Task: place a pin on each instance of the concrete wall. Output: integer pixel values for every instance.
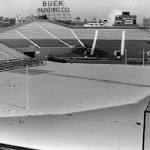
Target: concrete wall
(42, 53)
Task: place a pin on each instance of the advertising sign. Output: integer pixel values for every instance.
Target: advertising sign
(57, 6)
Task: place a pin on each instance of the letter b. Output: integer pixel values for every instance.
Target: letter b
(44, 3)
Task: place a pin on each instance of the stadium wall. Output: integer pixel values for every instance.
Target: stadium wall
(42, 53)
(105, 48)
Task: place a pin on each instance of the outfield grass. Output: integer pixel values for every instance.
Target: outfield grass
(74, 106)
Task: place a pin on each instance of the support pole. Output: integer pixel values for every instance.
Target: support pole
(143, 57)
(94, 43)
(27, 88)
(23, 36)
(74, 34)
(123, 43)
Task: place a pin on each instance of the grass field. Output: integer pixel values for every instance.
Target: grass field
(73, 106)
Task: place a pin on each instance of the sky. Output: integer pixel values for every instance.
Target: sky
(83, 8)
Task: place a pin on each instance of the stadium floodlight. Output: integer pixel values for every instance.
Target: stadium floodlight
(94, 43)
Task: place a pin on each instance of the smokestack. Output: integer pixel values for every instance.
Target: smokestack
(111, 16)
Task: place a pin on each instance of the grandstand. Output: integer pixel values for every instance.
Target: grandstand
(64, 98)
(44, 34)
(109, 40)
(49, 35)
(10, 53)
(11, 59)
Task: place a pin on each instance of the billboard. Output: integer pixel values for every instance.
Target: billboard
(128, 21)
(55, 9)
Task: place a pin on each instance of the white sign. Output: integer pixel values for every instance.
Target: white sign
(53, 6)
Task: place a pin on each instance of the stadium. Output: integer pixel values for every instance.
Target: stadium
(50, 38)
(66, 106)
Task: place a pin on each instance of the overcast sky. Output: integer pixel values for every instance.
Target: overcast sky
(82, 8)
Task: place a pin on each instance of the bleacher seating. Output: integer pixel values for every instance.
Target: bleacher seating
(113, 34)
(109, 40)
(11, 59)
(49, 43)
(134, 48)
(14, 43)
(13, 64)
(35, 33)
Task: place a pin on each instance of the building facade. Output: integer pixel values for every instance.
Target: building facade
(5, 21)
(146, 22)
(125, 19)
(19, 19)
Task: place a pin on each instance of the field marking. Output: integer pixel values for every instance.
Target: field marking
(74, 34)
(54, 36)
(23, 36)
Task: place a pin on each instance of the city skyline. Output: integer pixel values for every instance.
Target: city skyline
(85, 8)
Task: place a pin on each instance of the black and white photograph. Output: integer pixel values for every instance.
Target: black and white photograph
(74, 75)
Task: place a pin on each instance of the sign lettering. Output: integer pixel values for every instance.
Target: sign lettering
(52, 3)
(56, 9)
(53, 6)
